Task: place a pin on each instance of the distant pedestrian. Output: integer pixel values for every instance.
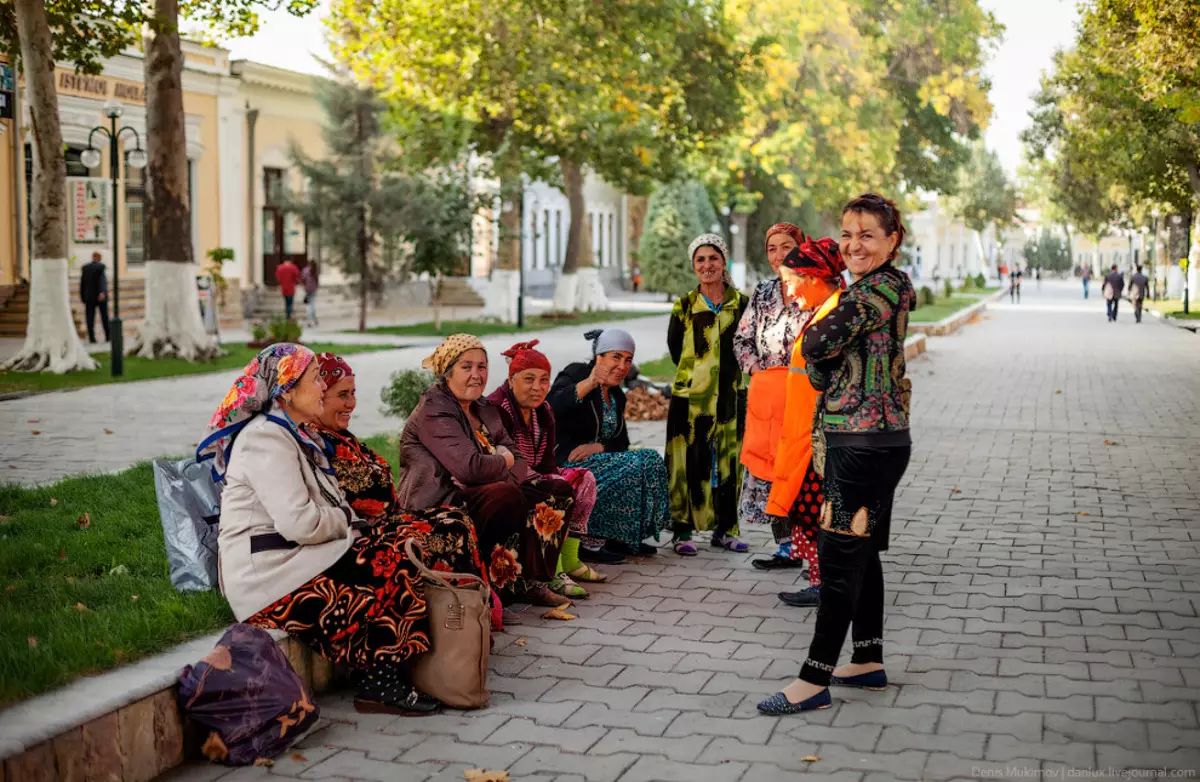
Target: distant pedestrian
(1086, 275)
(287, 274)
(311, 279)
(93, 291)
(1139, 285)
(1114, 286)
(636, 277)
(1014, 285)
(1037, 275)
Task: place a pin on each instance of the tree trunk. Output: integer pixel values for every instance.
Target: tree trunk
(173, 326)
(505, 286)
(579, 288)
(983, 259)
(364, 271)
(51, 343)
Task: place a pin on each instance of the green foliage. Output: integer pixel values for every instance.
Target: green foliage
(281, 329)
(220, 254)
(948, 288)
(258, 332)
(676, 213)
(980, 281)
(84, 32)
(1047, 251)
(926, 297)
(985, 196)
(403, 391)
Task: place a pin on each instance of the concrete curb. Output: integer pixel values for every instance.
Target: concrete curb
(1187, 325)
(949, 325)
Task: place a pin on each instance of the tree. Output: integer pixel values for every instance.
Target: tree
(678, 212)
(986, 198)
(40, 33)
(1048, 251)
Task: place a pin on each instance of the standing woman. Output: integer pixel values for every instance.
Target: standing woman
(855, 358)
(707, 414)
(763, 344)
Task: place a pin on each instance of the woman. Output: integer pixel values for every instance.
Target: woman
(855, 359)
(707, 413)
(530, 421)
(293, 554)
(455, 451)
(812, 273)
(447, 536)
(632, 503)
(763, 344)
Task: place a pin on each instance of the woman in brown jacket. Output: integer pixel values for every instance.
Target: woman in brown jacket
(455, 451)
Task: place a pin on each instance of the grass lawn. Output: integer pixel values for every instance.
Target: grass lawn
(485, 328)
(1174, 308)
(942, 308)
(660, 369)
(64, 610)
(236, 356)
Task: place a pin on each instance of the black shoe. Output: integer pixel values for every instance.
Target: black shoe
(777, 563)
(600, 556)
(415, 704)
(805, 598)
(624, 549)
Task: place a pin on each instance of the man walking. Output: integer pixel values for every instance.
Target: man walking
(311, 283)
(1114, 286)
(93, 291)
(1139, 285)
(1087, 279)
(1014, 285)
(287, 274)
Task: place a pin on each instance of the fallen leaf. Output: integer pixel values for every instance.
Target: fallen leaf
(108, 431)
(214, 748)
(811, 758)
(266, 762)
(482, 775)
(1111, 442)
(298, 757)
(80, 607)
(34, 421)
(53, 502)
(3, 520)
(1083, 513)
(10, 588)
(119, 570)
(62, 555)
(84, 521)
(559, 612)
(32, 641)
(521, 641)
(956, 491)
(35, 431)
(70, 579)
(134, 597)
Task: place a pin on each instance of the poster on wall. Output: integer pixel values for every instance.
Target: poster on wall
(89, 209)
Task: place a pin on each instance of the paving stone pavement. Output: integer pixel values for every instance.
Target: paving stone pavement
(1043, 586)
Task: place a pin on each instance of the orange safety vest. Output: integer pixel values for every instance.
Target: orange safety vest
(794, 453)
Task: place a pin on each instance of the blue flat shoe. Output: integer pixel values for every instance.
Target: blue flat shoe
(875, 680)
(778, 704)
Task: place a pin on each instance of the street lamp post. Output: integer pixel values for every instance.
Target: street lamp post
(90, 157)
(1154, 254)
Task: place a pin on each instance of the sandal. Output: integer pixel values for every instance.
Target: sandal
(563, 585)
(588, 575)
(730, 543)
(685, 548)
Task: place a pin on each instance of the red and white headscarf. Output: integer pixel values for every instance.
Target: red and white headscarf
(332, 368)
(522, 356)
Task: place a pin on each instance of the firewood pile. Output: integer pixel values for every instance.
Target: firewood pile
(645, 404)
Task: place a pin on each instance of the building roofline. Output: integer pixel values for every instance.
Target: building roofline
(258, 74)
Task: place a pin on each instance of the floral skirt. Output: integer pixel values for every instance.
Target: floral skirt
(632, 501)
(583, 483)
(367, 610)
(521, 528)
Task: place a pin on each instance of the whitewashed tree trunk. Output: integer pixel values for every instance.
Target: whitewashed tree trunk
(983, 259)
(579, 288)
(51, 342)
(173, 326)
(500, 301)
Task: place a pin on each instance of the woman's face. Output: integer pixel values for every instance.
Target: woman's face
(778, 246)
(340, 401)
(709, 265)
(865, 244)
(305, 402)
(468, 377)
(530, 387)
(809, 292)
(613, 366)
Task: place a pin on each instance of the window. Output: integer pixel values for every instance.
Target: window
(273, 186)
(137, 217)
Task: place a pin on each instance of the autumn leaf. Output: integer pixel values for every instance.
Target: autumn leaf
(108, 431)
(521, 641)
(33, 421)
(32, 640)
(80, 607)
(134, 597)
(298, 757)
(10, 588)
(84, 521)
(265, 762)
(560, 613)
(1058, 393)
(62, 555)
(53, 502)
(482, 775)
(36, 431)
(1083, 513)
(811, 758)
(3, 520)
(1111, 442)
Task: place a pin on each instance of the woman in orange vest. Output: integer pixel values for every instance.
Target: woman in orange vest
(813, 274)
(763, 344)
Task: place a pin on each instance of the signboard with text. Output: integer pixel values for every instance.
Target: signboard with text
(88, 205)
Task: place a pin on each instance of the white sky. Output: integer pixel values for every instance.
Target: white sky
(1033, 30)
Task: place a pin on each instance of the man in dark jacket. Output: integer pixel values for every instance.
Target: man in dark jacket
(1114, 286)
(1139, 285)
(93, 291)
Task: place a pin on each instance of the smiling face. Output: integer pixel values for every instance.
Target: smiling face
(865, 245)
(340, 401)
(305, 402)
(529, 387)
(778, 246)
(709, 265)
(613, 366)
(808, 291)
(468, 377)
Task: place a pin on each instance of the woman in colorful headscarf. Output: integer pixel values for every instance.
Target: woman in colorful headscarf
(447, 536)
(530, 421)
(812, 274)
(455, 451)
(707, 413)
(294, 555)
(632, 503)
(763, 344)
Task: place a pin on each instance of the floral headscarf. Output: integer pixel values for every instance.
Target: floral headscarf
(821, 259)
(269, 375)
(333, 368)
(448, 352)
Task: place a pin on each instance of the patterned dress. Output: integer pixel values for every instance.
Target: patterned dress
(632, 502)
(707, 413)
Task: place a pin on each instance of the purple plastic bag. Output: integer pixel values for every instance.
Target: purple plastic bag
(249, 697)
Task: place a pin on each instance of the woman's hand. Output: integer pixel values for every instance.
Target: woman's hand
(585, 452)
(509, 459)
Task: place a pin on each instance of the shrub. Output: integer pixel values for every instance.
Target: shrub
(948, 287)
(980, 281)
(676, 213)
(403, 391)
(259, 332)
(925, 296)
(281, 329)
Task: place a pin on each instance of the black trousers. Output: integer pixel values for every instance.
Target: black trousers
(90, 308)
(1137, 310)
(288, 302)
(1113, 304)
(860, 483)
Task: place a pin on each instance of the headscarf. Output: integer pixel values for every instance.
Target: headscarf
(608, 340)
(712, 239)
(269, 375)
(448, 352)
(784, 228)
(333, 368)
(820, 259)
(522, 356)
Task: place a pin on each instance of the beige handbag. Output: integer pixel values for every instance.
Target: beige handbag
(460, 632)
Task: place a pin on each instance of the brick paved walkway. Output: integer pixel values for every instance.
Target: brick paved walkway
(1043, 586)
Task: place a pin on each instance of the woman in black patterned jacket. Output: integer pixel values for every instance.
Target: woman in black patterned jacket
(855, 358)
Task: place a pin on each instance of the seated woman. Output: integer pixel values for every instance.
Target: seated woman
(294, 556)
(447, 536)
(455, 451)
(632, 502)
(530, 421)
